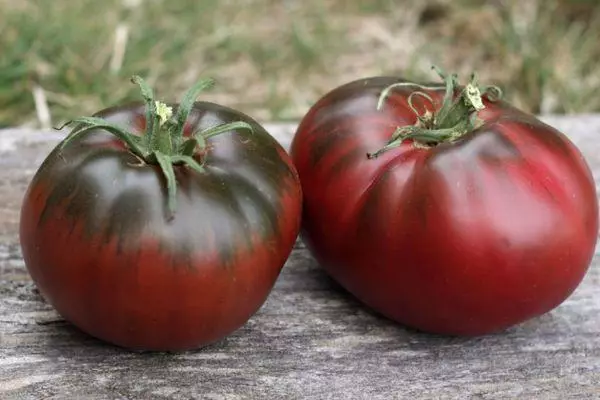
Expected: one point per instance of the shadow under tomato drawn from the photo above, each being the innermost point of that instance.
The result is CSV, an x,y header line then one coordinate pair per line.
x,y
67,338
360,317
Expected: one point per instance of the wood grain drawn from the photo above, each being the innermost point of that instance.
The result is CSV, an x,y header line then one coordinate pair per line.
x,y
310,340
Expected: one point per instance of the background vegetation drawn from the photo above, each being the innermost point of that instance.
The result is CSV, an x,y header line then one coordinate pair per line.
x,y
272,59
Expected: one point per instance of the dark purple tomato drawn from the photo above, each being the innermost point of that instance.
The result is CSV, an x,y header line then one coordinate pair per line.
x,y
460,224
104,249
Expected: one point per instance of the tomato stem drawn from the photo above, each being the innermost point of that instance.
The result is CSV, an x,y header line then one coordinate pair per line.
x,y
148,96
177,124
163,142
456,116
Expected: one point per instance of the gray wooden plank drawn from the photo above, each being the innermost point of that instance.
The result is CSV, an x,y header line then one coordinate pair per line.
x,y
309,340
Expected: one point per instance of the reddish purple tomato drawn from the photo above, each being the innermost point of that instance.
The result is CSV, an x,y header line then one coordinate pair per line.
x,y
105,249
474,217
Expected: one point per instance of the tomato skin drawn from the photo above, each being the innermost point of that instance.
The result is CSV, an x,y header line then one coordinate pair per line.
x,y
97,242
464,238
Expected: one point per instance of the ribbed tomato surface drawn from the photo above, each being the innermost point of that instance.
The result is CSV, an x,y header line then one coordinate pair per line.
x,y
99,246
467,237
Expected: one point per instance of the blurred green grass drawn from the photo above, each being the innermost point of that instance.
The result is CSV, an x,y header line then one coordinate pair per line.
x,y
272,59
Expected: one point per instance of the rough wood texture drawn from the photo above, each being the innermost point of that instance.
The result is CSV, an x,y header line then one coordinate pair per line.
x,y
309,341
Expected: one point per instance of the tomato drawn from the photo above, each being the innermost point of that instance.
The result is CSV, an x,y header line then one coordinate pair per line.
x,y
443,207
168,243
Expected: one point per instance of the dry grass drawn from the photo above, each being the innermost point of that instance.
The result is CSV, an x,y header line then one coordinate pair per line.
x,y
272,59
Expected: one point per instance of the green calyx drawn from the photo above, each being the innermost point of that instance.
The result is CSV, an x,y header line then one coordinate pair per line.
x,y
163,143
456,117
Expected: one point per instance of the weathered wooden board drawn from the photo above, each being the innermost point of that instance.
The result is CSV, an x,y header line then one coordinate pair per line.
x,y
310,340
